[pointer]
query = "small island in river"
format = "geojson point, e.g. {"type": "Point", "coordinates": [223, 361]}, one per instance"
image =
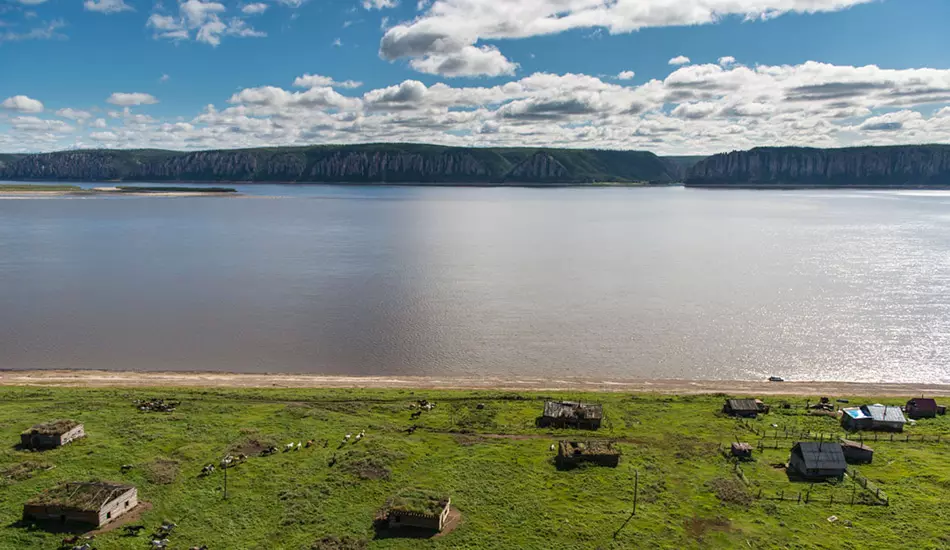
{"type": "Point", "coordinates": [135, 191]}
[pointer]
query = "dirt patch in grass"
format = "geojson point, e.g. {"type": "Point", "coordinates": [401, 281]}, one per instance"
{"type": "Point", "coordinates": [128, 518]}
{"type": "Point", "coordinates": [22, 471]}
{"type": "Point", "coordinates": [252, 445]}
{"type": "Point", "coordinates": [697, 527]}
{"type": "Point", "coordinates": [368, 463]}
{"type": "Point", "coordinates": [162, 471]}
{"type": "Point", "coordinates": [332, 542]}
{"type": "Point", "coordinates": [731, 491]}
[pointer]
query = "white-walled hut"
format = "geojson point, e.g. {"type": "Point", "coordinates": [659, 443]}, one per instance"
{"type": "Point", "coordinates": [92, 503]}
{"type": "Point", "coordinates": [417, 508]}
{"type": "Point", "coordinates": [817, 461]}
{"type": "Point", "coordinates": [50, 435]}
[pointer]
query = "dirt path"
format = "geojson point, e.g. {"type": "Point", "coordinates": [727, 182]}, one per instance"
{"type": "Point", "coordinates": [102, 378]}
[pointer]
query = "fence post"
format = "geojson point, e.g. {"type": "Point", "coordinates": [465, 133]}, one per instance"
{"type": "Point", "coordinates": [832, 499]}
{"type": "Point", "coordinates": [799, 497]}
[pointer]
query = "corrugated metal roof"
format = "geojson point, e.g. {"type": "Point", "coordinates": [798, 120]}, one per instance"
{"type": "Point", "coordinates": [821, 455]}
{"type": "Point", "coordinates": [881, 413]}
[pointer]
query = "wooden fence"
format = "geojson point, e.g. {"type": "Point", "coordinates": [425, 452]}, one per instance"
{"type": "Point", "coordinates": [863, 437]}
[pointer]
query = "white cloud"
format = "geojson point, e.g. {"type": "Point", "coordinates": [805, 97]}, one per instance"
{"type": "Point", "coordinates": [696, 109]}
{"type": "Point", "coordinates": [337, 43]}
{"type": "Point", "coordinates": [106, 6]}
{"type": "Point", "coordinates": [202, 22]}
{"type": "Point", "coordinates": [727, 60]}
{"type": "Point", "coordinates": [103, 136]}
{"type": "Point", "coordinates": [164, 78]}
{"type": "Point", "coordinates": [379, 4]}
{"type": "Point", "coordinates": [255, 8]}
{"type": "Point", "coordinates": [23, 104]}
{"type": "Point", "coordinates": [48, 31]}
{"type": "Point", "coordinates": [446, 27]}
{"type": "Point", "coordinates": [469, 61]}
{"type": "Point", "coordinates": [679, 60]}
{"type": "Point", "coordinates": [625, 75]}
{"type": "Point", "coordinates": [128, 99]}
{"type": "Point", "coordinates": [74, 114]}
{"type": "Point", "coordinates": [320, 81]}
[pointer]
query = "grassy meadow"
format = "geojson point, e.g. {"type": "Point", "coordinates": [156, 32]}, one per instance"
{"type": "Point", "coordinates": [496, 465]}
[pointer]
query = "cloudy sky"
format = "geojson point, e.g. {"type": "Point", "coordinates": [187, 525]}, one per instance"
{"type": "Point", "coordinates": [669, 76]}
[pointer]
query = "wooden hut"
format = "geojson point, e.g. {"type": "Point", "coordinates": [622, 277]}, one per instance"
{"type": "Point", "coordinates": [416, 508]}
{"type": "Point", "coordinates": [575, 453]}
{"type": "Point", "coordinates": [746, 408]}
{"type": "Point", "coordinates": [817, 461]}
{"type": "Point", "coordinates": [856, 452]}
{"type": "Point", "coordinates": [92, 503]}
{"type": "Point", "coordinates": [921, 407]}
{"type": "Point", "coordinates": [741, 450]}
{"type": "Point", "coordinates": [50, 435]}
{"type": "Point", "coordinates": [873, 417]}
{"type": "Point", "coordinates": [569, 414]}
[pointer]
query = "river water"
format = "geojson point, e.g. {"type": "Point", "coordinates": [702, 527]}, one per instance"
{"type": "Point", "coordinates": [594, 283]}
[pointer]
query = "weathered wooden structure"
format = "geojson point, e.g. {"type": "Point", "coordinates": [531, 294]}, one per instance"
{"type": "Point", "coordinates": [856, 452]}
{"type": "Point", "coordinates": [873, 417]}
{"type": "Point", "coordinates": [416, 508]}
{"type": "Point", "coordinates": [817, 461]}
{"type": "Point", "coordinates": [741, 450]}
{"type": "Point", "coordinates": [575, 453]}
{"type": "Point", "coordinates": [746, 408]}
{"type": "Point", "coordinates": [92, 503]}
{"type": "Point", "coordinates": [50, 435]}
{"type": "Point", "coordinates": [921, 407]}
{"type": "Point", "coordinates": [570, 414]}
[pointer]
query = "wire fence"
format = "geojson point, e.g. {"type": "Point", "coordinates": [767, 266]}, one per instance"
{"type": "Point", "coordinates": [862, 437]}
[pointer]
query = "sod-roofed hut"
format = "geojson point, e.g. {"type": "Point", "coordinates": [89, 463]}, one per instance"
{"type": "Point", "coordinates": [570, 414]}
{"type": "Point", "coordinates": [741, 450]}
{"type": "Point", "coordinates": [92, 503]}
{"type": "Point", "coordinates": [856, 452]}
{"type": "Point", "coordinates": [575, 453]}
{"type": "Point", "coordinates": [50, 435]}
{"type": "Point", "coordinates": [817, 461]}
{"type": "Point", "coordinates": [747, 408]}
{"type": "Point", "coordinates": [417, 508]}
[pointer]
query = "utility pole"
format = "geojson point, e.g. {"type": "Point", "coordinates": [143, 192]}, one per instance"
{"type": "Point", "coordinates": [636, 490]}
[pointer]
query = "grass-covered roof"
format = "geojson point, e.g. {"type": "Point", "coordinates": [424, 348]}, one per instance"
{"type": "Point", "coordinates": [56, 427]}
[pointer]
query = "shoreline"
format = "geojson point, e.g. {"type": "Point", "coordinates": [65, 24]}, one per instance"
{"type": "Point", "coordinates": [196, 379]}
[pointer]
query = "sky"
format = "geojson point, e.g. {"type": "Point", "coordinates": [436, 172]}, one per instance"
{"type": "Point", "coordinates": [668, 76]}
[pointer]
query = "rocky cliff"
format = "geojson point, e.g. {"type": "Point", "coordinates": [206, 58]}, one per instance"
{"type": "Point", "coordinates": [785, 167]}
{"type": "Point", "coordinates": [374, 163]}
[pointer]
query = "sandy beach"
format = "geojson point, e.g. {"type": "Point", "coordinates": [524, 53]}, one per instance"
{"type": "Point", "coordinates": [102, 378]}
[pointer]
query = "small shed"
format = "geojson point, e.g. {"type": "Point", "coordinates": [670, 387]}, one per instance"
{"type": "Point", "coordinates": [817, 461]}
{"type": "Point", "coordinates": [50, 435]}
{"type": "Point", "coordinates": [873, 417]}
{"type": "Point", "coordinates": [856, 452]}
{"type": "Point", "coordinates": [741, 450]}
{"type": "Point", "coordinates": [747, 408]}
{"type": "Point", "coordinates": [570, 414]}
{"type": "Point", "coordinates": [416, 508]}
{"type": "Point", "coordinates": [93, 503]}
{"type": "Point", "coordinates": [921, 407]}
{"type": "Point", "coordinates": [575, 453]}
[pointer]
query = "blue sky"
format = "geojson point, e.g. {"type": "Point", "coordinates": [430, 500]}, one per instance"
{"type": "Point", "coordinates": [541, 72]}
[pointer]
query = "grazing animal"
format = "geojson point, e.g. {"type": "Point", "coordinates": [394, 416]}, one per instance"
{"type": "Point", "coordinates": [159, 543]}
{"type": "Point", "coordinates": [415, 415]}
{"type": "Point", "coordinates": [134, 530]}
{"type": "Point", "coordinates": [347, 436]}
{"type": "Point", "coordinates": [358, 437]}
{"type": "Point", "coordinates": [552, 446]}
{"type": "Point", "coordinates": [207, 470]}
{"type": "Point", "coordinates": [309, 443]}
{"type": "Point", "coordinates": [332, 461]}
{"type": "Point", "coordinates": [289, 446]}
{"type": "Point", "coordinates": [125, 468]}
{"type": "Point", "coordinates": [411, 429]}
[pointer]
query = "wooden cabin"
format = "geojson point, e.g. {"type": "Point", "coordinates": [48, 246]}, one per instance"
{"type": "Point", "coordinates": [569, 414]}
{"type": "Point", "coordinates": [856, 452]}
{"type": "Point", "coordinates": [50, 435]}
{"type": "Point", "coordinates": [741, 450]}
{"type": "Point", "coordinates": [745, 408]}
{"type": "Point", "coordinates": [921, 407]}
{"type": "Point", "coordinates": [93, 503]}
{"type": "Point", "coordinates": [817, 461]}
{"type": "Point", "coordinates": [575, 453]}
{"type": "Point", "coordinates": [873, 417]}
{"type": "Point", "coordinates": [416, 508]}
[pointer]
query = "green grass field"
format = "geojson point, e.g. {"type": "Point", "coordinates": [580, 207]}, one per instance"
{"type": "Point", "coordinates": [494, 462]}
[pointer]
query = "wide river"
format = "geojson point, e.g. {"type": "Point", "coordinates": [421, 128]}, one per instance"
{"type": "Point", "coordinates": [594, 283]}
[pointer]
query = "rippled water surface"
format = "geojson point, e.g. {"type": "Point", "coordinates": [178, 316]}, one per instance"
{"type": "Point", "coordinates": [599, 283]}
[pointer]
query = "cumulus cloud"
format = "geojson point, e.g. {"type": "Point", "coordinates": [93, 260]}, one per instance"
{"type": "Point", "coordinates": [254, 9]}
{"type": "Point", "coordinates": [74, 114]}
{"type": "Point", "coordinates": [679, 60]}
{"type": "Point", "coordinates": [626, 75]}
{"type": "Point", "coordinates": [22, 104]}
{"type": "Point", "coordinates": [201, 21]}
{"type": "Point", "coordinates": [320, 81]}
{"type": "Point", "coordinates": [469, 61]}
{"type": "Point", "coordinates": [379, 4]}
{"type": "Point", "coordinates": [727, 60]}
{"type": "Point", "coordinates": [446, 28]}
{"type": "Point", "coordinates": [164, 78]}
{"type": "Point", "coordinates": [47, 31]}
{"type": "Point", "coordinates": [106, 6]}
{"type": "Point", "coordinates": [695, 109]}
{"type": "Point", "coordinates": [128, 99]}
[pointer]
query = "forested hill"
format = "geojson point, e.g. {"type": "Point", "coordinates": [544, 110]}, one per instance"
{"type": "Point", "coordinates": [370, 163]}
{"type": "Point", "coordinates": [908, 166]}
